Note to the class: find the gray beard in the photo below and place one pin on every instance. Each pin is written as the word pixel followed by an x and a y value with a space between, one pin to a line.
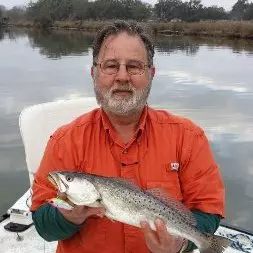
pixel 122 106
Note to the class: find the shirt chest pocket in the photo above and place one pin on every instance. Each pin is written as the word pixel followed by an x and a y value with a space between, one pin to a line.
pixel 166 178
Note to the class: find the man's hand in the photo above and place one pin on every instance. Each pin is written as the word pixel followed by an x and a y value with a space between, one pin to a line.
pixel 160 241
pixel 80 213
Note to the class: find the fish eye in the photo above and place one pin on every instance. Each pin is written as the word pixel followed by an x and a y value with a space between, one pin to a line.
pixel 69 178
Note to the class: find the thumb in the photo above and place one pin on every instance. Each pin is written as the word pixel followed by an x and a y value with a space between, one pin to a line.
pixel 98 211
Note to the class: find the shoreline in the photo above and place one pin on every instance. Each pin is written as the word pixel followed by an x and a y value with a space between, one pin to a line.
pixel 225 29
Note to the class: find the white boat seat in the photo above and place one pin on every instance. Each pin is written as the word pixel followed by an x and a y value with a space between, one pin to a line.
pixel 39 121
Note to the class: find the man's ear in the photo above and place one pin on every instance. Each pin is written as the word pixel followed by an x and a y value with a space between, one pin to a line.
pixel 152 71
pixel 92 71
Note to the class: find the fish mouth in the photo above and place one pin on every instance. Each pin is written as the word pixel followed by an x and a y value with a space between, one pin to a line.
pixel 54 178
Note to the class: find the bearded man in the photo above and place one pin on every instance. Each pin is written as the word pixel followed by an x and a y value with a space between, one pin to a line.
pixel 128 139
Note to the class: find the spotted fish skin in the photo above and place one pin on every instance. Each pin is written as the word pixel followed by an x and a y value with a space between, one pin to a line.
pixel 125 202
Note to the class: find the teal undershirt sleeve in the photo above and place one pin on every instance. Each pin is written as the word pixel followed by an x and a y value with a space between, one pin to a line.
pixel 208 223
pixel 51 224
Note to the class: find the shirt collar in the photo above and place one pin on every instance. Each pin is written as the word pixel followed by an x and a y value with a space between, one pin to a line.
pixel 108 126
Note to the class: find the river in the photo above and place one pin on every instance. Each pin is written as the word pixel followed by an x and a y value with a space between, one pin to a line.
pixel 207 80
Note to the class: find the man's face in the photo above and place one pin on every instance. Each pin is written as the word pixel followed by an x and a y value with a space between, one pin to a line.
pixel 117 90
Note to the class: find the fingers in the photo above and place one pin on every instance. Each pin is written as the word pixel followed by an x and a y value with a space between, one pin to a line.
pixel 80 210
pixel 162 232
pixel 159 240
pixel 150 237
pixel 161 235
pixel 98 211
pixel 80 213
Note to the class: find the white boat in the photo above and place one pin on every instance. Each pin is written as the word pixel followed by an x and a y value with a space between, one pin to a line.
pixel 17 232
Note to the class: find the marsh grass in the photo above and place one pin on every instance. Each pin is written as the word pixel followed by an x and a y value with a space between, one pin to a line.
pixel 226 28
pixel 234 29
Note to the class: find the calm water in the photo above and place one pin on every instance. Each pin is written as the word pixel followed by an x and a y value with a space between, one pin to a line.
pixel 209 81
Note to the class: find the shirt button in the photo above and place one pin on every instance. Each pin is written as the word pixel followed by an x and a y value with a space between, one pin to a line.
pixel 125 151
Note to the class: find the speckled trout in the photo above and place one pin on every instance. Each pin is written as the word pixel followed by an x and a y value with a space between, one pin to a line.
pixel 125 202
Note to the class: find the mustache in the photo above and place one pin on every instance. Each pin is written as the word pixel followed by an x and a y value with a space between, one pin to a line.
pixel 122 87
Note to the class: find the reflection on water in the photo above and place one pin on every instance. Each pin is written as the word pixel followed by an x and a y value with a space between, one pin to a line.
pixel 57 44
pixel 12 34
pixel 168 45
pixel 208 80
pixel 190 45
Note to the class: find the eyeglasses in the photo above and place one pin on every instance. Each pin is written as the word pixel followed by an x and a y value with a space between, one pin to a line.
pixel 111 67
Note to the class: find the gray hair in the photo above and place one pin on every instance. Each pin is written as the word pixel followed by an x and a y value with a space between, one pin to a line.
pixel 132 28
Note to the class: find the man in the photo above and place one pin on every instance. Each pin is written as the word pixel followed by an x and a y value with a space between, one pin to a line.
pixel 125 138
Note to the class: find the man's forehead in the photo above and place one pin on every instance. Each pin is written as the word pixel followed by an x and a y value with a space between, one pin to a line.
pixel 113 46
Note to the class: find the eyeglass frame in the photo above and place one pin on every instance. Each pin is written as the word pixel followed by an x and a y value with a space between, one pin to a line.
pixel 119 64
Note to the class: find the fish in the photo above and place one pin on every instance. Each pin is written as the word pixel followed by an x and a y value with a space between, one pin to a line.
pixel 125 202
pixel 60 203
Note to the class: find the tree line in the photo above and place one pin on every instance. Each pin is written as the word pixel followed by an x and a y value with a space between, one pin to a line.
pixel 48 11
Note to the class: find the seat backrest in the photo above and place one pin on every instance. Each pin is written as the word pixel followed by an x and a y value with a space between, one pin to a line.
pixel 39 121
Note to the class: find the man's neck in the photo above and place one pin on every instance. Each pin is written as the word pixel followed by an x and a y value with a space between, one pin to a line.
pixel 125 126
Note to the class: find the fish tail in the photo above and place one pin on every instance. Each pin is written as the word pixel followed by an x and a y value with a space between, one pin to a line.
pixel 215 244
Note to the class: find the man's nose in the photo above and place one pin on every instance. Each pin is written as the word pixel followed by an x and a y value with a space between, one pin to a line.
pixel 122 74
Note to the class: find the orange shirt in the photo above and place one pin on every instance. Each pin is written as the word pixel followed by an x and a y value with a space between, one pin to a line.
pixel 166 152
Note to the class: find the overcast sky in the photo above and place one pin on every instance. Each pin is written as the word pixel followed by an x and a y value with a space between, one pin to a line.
pixel 227 4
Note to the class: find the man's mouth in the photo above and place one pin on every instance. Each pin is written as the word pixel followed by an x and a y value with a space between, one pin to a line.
pixel 122 92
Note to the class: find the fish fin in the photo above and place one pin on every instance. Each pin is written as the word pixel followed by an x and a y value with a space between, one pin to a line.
pixel 216 244
pixel 165 198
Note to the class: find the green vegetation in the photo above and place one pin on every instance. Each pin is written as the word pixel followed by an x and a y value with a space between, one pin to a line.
pixel 3 20
pixel 166 16
pixel 163 10
pixel 45 12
